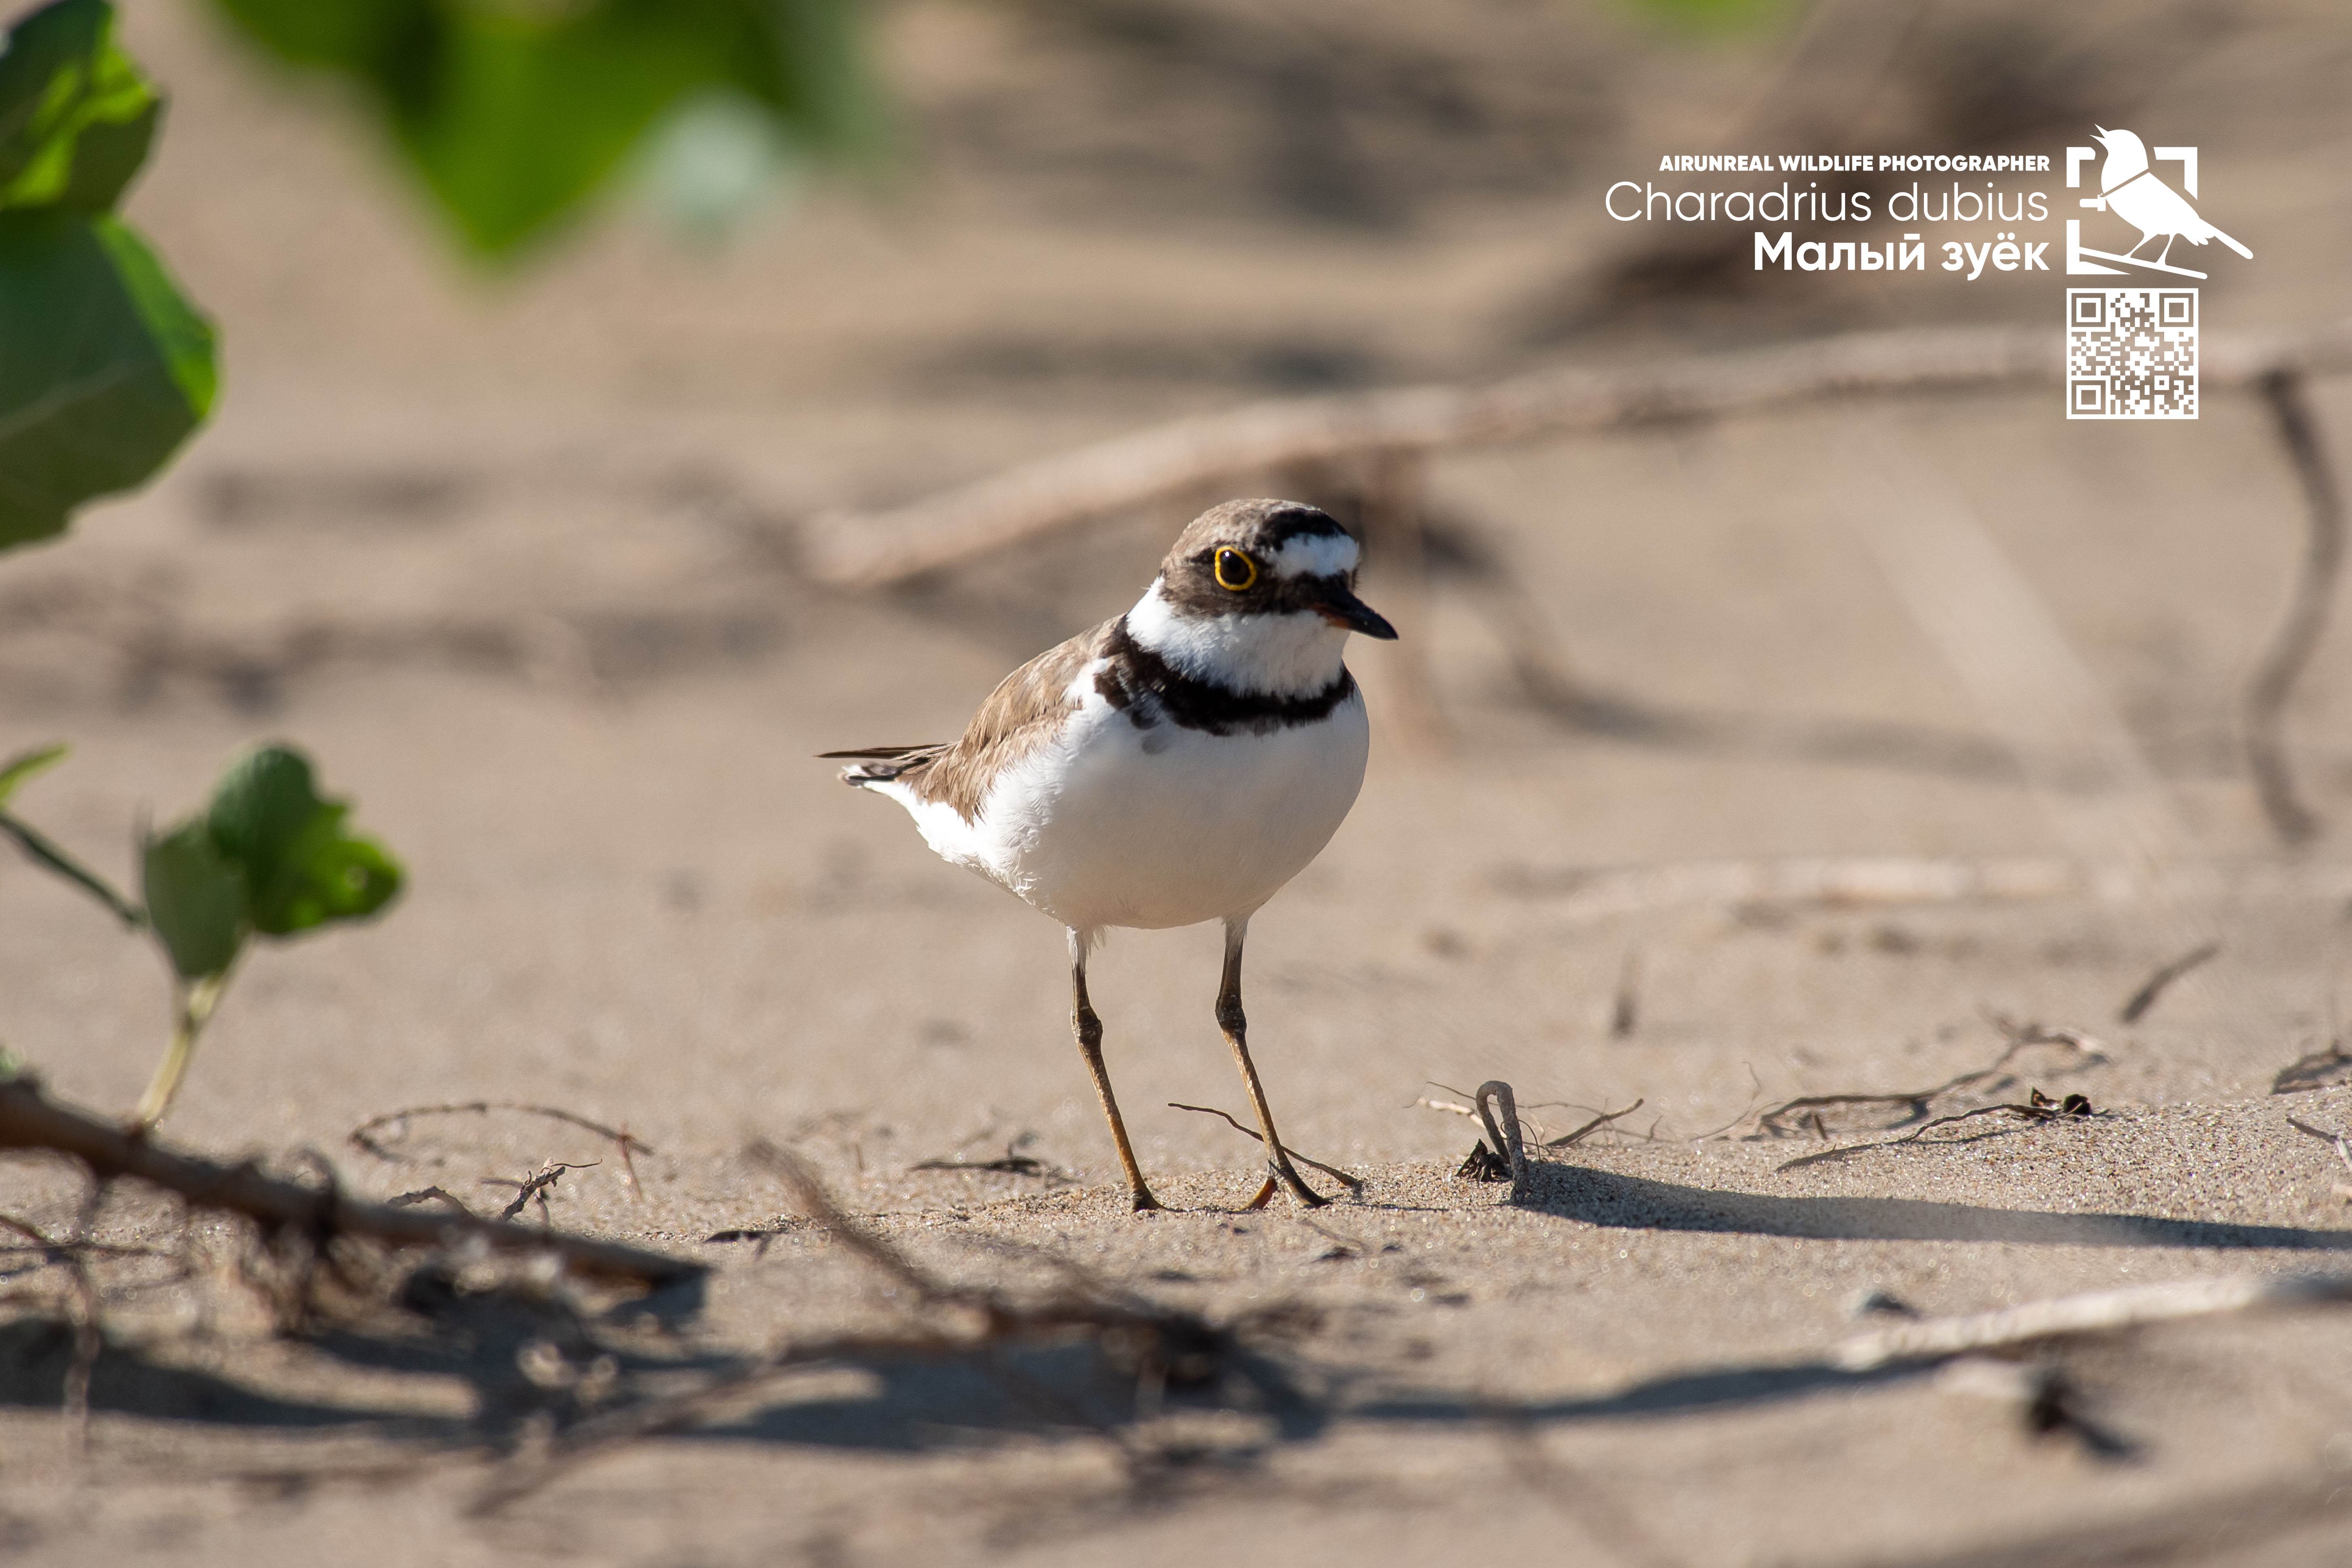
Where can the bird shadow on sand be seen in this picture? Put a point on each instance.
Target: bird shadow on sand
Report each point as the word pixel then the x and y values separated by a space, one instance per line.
pixel 1639 1203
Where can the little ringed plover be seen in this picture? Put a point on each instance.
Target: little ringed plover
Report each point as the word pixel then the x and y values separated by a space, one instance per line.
pixel 1175 765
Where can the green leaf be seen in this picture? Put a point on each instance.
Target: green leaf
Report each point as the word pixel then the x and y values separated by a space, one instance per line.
pixel 104 367
pixel 301 869
pixel 516 115
pixel 75 117
pixel 19 768
pixel 195 900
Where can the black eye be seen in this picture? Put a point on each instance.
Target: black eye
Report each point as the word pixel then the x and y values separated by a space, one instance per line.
pixel 1235 572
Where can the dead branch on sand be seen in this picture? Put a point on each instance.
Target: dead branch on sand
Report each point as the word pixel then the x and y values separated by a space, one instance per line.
pixel 1163 1346
pixel 877 550
pixel 2098 1311
pixel 30 1119
pixel 1797 1118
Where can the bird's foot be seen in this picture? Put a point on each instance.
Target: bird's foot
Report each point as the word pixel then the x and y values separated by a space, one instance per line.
pixel 1144 1202
pixel 1265 1195
pixel 1306 1195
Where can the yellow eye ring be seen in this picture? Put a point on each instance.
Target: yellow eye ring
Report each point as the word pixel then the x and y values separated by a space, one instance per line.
pixel 1235 573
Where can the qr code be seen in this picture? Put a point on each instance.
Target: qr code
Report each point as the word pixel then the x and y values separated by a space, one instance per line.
pixel 2131 353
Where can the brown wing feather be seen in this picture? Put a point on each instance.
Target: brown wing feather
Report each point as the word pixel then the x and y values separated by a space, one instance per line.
pixel 1021 714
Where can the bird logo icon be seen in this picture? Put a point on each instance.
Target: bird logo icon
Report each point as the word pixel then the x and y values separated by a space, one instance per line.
pixel 2131 189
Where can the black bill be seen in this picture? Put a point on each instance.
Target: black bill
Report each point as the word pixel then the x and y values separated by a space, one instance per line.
pixel 1337 605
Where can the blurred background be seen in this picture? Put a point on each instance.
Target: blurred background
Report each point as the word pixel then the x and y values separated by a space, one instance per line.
pixel 1810 750
pixel 505 522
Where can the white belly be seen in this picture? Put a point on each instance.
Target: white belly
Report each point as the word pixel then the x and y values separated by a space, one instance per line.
pixel 1166 826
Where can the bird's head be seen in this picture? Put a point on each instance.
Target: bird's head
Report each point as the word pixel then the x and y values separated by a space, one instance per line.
pixel 1257 596
pixel 2123 147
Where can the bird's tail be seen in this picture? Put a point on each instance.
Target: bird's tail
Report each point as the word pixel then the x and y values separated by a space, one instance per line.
pixel 2231 243
pixel 880 765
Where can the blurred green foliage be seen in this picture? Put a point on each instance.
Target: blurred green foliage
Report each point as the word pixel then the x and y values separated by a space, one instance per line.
pixel 1717 15
pixel 514 114
pixel 266 856
pixel 269 856
pixel 105 367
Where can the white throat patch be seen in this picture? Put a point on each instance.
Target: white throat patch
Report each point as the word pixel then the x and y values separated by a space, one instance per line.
pixel 1293 655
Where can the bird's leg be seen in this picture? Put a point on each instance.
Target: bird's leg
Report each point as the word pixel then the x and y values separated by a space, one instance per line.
pixel 1088 1029
pixel 1236 1031
pixel 2167 248
pixel 2143 240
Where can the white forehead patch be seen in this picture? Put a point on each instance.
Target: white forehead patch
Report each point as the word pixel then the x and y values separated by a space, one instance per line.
pixel 1315 555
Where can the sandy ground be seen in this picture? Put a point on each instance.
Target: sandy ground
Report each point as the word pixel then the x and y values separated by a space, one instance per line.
pixel 514 561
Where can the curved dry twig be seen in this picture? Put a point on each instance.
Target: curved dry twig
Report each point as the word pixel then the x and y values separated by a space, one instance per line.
pixel 1784 1121
pixel 1506 1136
pixel 2286 393
pixel 1570 1140
pixel 2161 979
pixel 2041 1107
pixel 1354 1184
pixel 628 1143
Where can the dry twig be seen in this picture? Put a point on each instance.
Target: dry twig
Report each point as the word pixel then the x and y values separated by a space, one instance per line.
pixel 1795 1117
pixel 2099 1311
pixel 82 1316
pixel 2157 982
pixel 1504 1144
pixel 2317 1070
pixel 1354 1184
pixel 2343 1148
pixel 1012 1162
pixel 364 1135
pixel 2285 391
pixel 428 1194
pixel 2038 1107
pixel 533 1186
pixel 1601 893
pixel 1625 1008
pixel 30 1119
pixel 1570 1140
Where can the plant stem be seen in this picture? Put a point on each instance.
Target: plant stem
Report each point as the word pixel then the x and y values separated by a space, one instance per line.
pixel 42 849
pixel 196 1001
